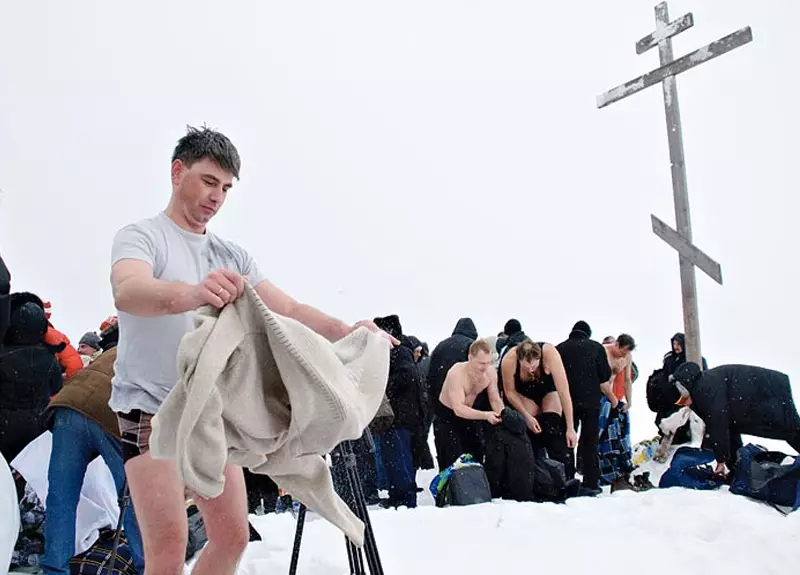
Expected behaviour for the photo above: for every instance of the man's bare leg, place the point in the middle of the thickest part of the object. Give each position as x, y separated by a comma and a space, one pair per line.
157, 495
225, 520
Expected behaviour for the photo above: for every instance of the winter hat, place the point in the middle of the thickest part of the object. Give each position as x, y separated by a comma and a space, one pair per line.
27, 325
582, 327
390, 324
687, 375
91, 339
108, 322
512, 326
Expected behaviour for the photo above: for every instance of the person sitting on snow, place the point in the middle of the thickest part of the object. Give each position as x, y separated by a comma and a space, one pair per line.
738, 399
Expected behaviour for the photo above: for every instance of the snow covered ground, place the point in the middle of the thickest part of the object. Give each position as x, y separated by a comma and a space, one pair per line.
665, 531
661, 531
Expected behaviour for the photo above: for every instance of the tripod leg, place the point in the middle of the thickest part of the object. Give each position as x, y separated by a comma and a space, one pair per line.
298, 536
124, 500
361, 511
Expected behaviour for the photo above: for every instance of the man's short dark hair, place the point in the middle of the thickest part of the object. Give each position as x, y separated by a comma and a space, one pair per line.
199, 143
626, 341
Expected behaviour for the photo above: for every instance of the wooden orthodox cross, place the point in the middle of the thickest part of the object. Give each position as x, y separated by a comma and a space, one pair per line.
690, 256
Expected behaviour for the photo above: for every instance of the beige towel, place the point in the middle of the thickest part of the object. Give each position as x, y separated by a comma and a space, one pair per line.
265, 392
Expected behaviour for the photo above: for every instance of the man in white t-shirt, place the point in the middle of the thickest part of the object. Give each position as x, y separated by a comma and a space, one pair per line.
163, 269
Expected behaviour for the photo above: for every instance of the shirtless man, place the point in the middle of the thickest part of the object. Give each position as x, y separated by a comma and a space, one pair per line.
163, 269
458, 421
534, 382
620, 359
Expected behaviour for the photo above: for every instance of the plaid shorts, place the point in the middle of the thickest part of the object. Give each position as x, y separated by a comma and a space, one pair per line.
135, 428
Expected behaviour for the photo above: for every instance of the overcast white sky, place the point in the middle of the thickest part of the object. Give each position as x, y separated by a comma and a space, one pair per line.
432, 158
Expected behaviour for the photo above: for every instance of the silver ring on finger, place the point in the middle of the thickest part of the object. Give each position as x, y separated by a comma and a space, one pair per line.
219, 291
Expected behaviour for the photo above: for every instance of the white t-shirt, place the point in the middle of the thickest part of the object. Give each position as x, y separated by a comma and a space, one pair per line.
146, 368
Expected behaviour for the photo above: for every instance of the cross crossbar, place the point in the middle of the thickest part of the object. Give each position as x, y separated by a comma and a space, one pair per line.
687, 249
704, 54
672, 29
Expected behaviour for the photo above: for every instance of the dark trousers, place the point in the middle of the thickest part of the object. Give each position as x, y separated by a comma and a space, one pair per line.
398, 463
455, 437
587, 420
366, 470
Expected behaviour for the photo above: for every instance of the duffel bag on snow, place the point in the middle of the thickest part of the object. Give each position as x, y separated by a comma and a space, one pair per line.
463, 483
691, 468
764, 475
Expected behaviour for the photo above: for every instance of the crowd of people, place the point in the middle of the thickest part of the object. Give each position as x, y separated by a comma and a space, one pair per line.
567, 402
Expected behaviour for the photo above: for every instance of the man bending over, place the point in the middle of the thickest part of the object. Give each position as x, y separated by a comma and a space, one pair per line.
163, 269
460, 421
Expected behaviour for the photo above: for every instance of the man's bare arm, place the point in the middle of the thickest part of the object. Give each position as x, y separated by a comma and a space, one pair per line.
454, 397
281, 303
552, 360
609, 393
137, 292
494, 395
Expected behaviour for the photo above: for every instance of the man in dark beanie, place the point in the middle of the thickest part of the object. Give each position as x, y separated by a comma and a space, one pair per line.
736, 400
511, 336
587, 368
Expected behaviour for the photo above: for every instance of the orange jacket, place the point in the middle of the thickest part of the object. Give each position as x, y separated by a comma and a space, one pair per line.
69, 358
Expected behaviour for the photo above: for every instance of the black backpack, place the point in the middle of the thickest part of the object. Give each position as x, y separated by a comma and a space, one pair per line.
466, 486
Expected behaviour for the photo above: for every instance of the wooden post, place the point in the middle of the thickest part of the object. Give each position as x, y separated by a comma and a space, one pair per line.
689, 255
680, 192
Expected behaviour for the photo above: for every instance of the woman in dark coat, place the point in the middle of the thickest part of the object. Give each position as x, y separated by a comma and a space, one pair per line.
29, 375
733, 400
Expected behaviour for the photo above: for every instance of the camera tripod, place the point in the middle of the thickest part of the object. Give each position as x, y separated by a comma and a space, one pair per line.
342, 455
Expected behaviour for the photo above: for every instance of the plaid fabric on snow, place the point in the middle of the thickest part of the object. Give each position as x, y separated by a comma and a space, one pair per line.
614, 446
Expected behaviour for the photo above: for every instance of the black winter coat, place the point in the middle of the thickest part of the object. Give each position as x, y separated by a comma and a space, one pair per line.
586, 365
403, 389
5, 290
672, 360
29, 375
510, 464
449, 352
742, 399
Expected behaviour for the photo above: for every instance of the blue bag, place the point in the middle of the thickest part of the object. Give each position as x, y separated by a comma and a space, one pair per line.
761, 474
691, 468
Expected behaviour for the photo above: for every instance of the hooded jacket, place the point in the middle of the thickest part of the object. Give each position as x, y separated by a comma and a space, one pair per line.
740, 399
68, 357
29, 375
264, 392
587, 368
672, 360
5, 290
449, 352
404, 389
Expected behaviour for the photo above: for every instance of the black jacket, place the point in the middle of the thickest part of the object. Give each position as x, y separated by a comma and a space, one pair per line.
403, 388
449, 352
672, 360
586, 365
510, 464
740, 399
5, 290
29, 375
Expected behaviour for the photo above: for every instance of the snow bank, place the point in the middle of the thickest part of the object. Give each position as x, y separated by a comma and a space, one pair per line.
661, 531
